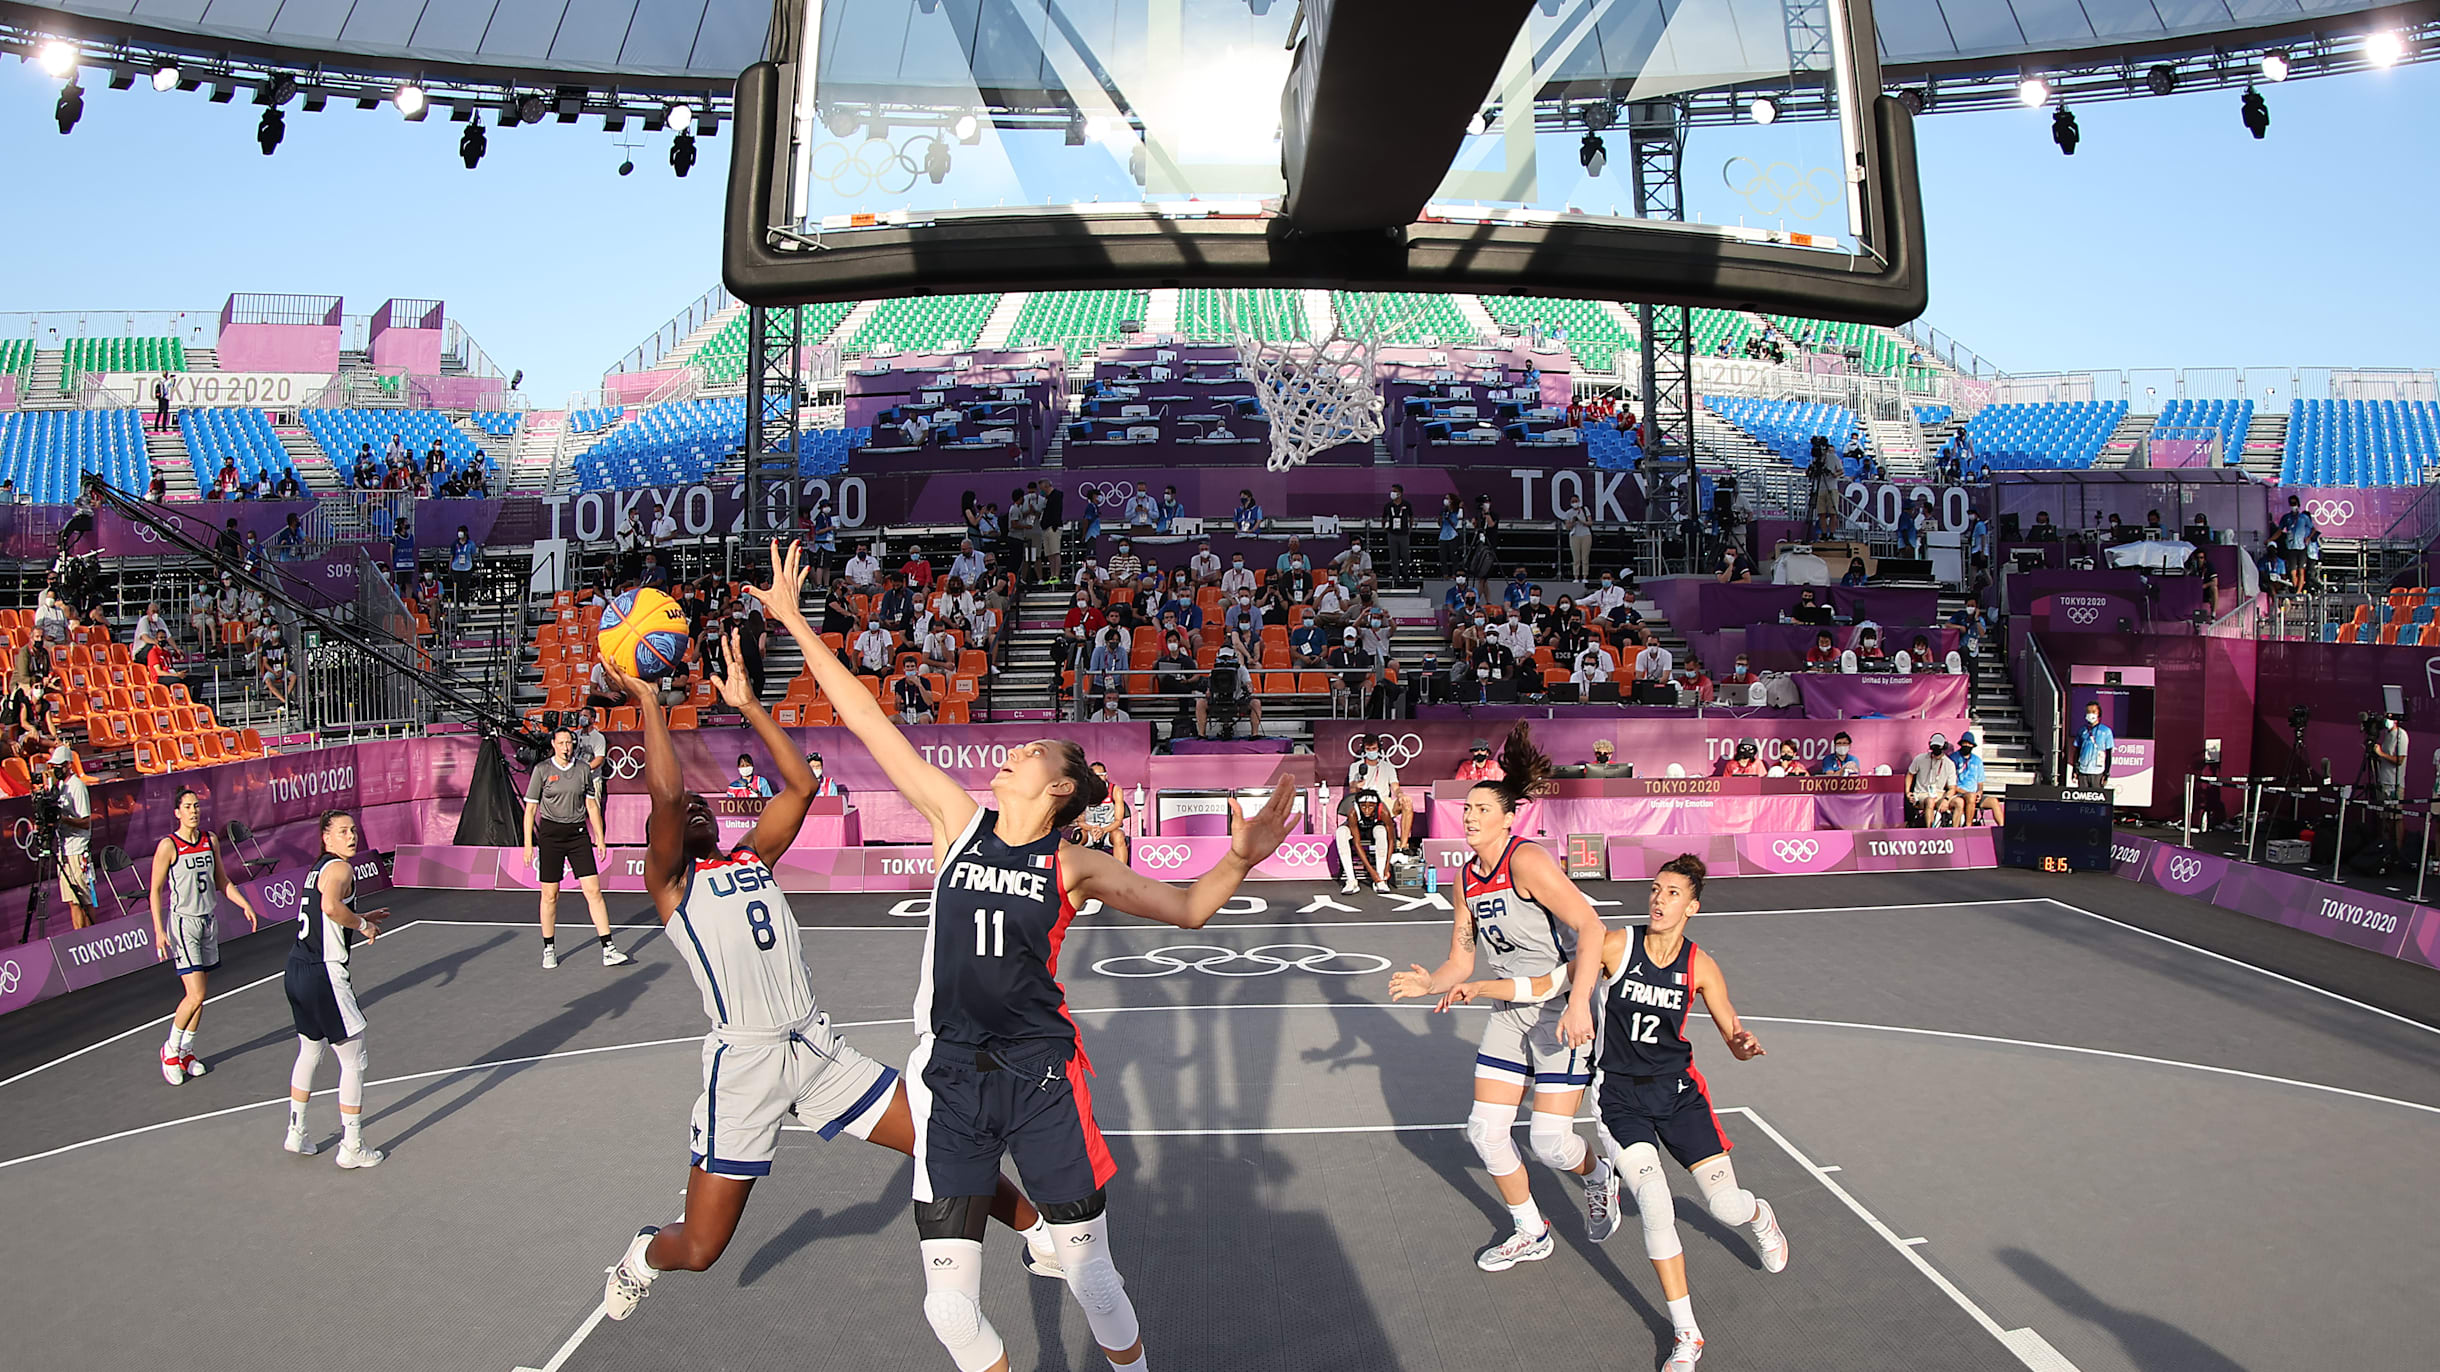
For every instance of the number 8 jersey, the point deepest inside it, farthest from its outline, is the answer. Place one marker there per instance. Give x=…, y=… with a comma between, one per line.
x=733, y=930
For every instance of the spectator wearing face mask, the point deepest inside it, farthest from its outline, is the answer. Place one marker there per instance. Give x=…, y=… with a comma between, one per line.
x=1841, y=760
x=1605, y=762
x=1372, y=770
x=1748, y=761
x=748, y=784
x=1786, y=763
x=1243, y=625
x=1351, y=681
x=1809, y=609
x=1824, y=656
x=1929, y=780
x=1109, y=663
x=1238, y=580
x=1594, y=666
x=1479, y=764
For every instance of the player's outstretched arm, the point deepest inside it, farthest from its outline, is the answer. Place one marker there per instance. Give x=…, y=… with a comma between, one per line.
x=665, y=830
x=1540, y=878
x=934, y=793
x=1099, y=876
x=1714, y=991
x=1450, y=975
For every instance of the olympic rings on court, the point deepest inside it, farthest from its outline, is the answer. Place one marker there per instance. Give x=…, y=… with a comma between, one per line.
x=1782, y=189
x=1259, y=962
x=1796, y=850
x=854, y=171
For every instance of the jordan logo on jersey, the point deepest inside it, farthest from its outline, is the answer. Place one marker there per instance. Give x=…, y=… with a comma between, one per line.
x=999, y=881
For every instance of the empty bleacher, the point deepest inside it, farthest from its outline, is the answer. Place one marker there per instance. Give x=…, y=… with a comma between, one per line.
x=924, y=323
x=2229, y=419
x=343, y=433
x=1416, y=316
x=723, y=356
x=1278, y=315
x=17, y=358
x=1076, y=321
x=242, y=436
x=593, y=421
x=2052, y=435
x=2360, y=442
x=44, y=451
x=497, y=423
x=1786, y=427
x=81, y=355
x=2402, y=616
x=685, y=440
x=1595, y=337
x=1928, y=415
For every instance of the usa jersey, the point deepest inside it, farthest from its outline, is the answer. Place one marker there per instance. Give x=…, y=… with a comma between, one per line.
x=733, y=930
x=991, y=957
x=319, y=937
x=1517, y=936
x=191, y=872
x=1643, y=1014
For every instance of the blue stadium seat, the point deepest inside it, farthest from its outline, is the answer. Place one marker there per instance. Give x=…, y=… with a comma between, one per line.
x=1786, y=427
x=242, y=436
x=2360, y=442
x=46, y=452
x=2059, y=435
x=345, y=433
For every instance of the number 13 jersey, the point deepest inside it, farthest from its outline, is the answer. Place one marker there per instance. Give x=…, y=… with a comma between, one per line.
x=733, y=930
x=1515, y=936
x=1643, y=1014
x=991, y=957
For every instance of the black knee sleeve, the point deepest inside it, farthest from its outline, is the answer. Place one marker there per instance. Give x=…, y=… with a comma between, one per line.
x=953, y=1217
x=1075, y=1212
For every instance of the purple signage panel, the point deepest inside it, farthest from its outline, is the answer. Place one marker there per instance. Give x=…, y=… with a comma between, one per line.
x=1796, y=855
x=101, y=951
x=29, y=974
x=1926, y=850
x=2423, y=938
x=2359, y=918
x=2091, y=612
x=1835, y=695
x=1634, y=858
x=2185, y=872
x=449, y=867
x=1424, y=749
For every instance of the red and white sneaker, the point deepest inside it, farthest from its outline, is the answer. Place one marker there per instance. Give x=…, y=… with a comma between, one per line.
x=1768, y=1237
x=1688, y=1352
x=173, y=1067
x=194, y=1065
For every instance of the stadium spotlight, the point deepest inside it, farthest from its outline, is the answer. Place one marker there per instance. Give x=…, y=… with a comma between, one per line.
x=71, y=107
x=2063, y=131
x=627, y=168
x=1593, y=154
x=1764, y=110
x=1917, y=99
x=1482, y=122
x=682, y=154
x=410, y=100
x=530, y=109
x=2161, y=80
x=269, y=132
x=165, y=76
x=936, y=161
x=2275, y=65
x=283, y=88
x=2033, y=92
x=682, y=117
x=472, y=144
x=2382, y=49
x=2255, y=111
x=840, y=120
x=121, y=78
x=967, y=129
x=59, y=57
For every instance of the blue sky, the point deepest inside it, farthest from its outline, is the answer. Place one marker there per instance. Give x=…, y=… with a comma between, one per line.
x=2171, y=238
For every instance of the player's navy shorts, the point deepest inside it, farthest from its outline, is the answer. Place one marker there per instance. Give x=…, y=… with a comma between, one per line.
x=322, y=1000
x=1032, y=1102
x=1671, y=1112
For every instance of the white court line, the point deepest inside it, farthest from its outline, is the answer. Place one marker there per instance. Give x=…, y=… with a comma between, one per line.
x=2012, y=1340
x=568, y=1349
x=2240, y=962
x=157, y=1023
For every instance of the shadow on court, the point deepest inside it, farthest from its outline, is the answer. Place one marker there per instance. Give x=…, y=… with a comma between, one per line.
x=435, y=972
x=2149, y=1342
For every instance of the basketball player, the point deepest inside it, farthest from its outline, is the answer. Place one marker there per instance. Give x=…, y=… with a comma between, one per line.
x=322, y=992
x=771, y=1053
x=1522, y=915
x=1103, y=826
x=186, y=870
x=997, y=1067
x=1649, y=1096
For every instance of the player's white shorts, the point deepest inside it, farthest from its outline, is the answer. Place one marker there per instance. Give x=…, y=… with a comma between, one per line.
x=194, y=943
x=1521, y=1046
x=754, y=1080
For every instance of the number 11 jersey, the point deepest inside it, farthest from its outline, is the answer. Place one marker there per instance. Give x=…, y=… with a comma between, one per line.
x=991, y=961
x=733, y=930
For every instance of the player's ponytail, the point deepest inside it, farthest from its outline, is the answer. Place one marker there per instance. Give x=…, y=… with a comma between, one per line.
x=1525, y=770
x=1091, y=788
x=1688, y=866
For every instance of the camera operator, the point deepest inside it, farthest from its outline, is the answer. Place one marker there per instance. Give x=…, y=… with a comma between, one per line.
x=63, y=823
x=2385, y=735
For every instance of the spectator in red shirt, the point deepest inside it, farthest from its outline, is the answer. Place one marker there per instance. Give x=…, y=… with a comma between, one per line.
x=1742, y=676
x=1748, y=762
x=1479, y=764
x=918, y=570
x=1824, y=657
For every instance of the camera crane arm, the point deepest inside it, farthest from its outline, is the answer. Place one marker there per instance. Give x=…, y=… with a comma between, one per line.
x=386, y=649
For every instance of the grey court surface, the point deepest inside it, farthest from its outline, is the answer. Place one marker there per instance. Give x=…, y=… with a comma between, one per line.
x=2008, y=1121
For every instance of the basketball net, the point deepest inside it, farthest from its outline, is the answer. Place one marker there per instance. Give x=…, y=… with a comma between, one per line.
x=1316, y=393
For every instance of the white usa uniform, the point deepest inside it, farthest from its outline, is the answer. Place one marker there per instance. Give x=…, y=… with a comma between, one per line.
x=771, y=1053
x=194, y=936
x=1522, y=938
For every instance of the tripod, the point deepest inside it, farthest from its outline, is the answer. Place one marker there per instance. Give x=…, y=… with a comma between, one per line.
x=48, y=868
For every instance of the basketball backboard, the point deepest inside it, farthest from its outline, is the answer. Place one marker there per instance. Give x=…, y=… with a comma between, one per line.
x=1728, y=152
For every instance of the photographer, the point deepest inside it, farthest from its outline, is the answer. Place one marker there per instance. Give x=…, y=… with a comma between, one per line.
x=63, y=811
x=2385, y=736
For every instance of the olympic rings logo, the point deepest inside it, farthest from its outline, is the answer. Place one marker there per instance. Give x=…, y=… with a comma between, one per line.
x=1306, y=852
x=2083, y=614
x=1796, y=850
x=2184, y=870
x=1106, y=493
x=22, y=834
x=10, y=976
x=2329, y=511
x=1396, y=749
x=1258, y=962
x=626, y=762
x=1780, y=188
x=853, y=171
x=1164, y=855
x=283, y=895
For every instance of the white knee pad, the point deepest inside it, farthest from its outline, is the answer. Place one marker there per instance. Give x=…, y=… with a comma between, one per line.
x=1084, y=1250
x=1491, y=1129
x=352, y=1062
x=953, y=1280
x=1729, y=1202
x=309, y=1059
x=1639, y=1173
x=1555, y=1140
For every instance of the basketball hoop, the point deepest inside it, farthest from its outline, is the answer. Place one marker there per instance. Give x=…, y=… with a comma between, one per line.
x=1317, y=393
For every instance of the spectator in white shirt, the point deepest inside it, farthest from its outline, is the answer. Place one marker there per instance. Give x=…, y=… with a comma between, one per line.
x=664, y=527
x=1606, y=597
x=873, y=650
x=1593, y=666
x=51, y=618
x=967, y=566
x=1204, y=567
x=940, y=648
x=1141, y=512
x=1331, y=606
x=1653, y=663
x=1238, y=580
x=150, y=626
x=864, y=569
x=1109, y=713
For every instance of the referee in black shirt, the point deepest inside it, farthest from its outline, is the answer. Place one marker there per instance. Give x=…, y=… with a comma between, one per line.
x=563, y=828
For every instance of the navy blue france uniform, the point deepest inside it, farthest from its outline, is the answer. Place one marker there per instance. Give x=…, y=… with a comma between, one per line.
x=1645, y=1085
x=321, y=991
x=997, y=1067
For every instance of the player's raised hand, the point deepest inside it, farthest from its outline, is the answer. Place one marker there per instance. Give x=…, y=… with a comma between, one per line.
x=1745, y=1045
x=1258, y=836
x=1409, y=984
x=734, y=685
x=784, y=598
x=635, y=688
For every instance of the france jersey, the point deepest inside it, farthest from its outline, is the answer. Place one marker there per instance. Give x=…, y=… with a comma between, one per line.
x=321, y=993
x=1516, y=936
x=734, y=931
x=991, y=957
x=1643, y=1014
x=319, y=937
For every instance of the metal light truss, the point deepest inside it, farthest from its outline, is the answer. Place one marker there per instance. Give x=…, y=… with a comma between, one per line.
x=1656, y=141
x=774, y=362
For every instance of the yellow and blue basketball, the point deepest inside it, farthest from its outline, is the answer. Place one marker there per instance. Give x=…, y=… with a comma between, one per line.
x=643, y=633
